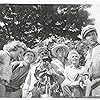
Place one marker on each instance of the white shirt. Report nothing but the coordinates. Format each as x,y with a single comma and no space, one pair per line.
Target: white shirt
93,61
71,73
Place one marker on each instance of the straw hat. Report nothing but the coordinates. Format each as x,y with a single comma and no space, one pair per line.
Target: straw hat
33,51
54,50
87,29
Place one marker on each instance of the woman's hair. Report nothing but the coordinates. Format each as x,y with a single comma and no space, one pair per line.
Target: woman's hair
14,45
71,53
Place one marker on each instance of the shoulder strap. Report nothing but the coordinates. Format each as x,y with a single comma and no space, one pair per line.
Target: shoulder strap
14,66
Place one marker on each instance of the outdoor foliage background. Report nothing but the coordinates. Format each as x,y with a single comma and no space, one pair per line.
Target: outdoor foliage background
33,23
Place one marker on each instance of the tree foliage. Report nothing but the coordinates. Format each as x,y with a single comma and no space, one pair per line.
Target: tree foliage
36,22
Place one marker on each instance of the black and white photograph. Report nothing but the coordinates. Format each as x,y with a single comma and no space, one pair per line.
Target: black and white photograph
49,50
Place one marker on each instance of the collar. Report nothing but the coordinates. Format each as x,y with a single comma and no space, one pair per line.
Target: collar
72,66
94,45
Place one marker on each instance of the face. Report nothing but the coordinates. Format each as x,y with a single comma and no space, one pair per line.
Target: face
61,52
74,59
91,38
44,54
29,57
18,53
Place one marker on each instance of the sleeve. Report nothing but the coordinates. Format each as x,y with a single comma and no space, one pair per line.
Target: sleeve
3,59
66,81
96,66
25,90
5,68
57,74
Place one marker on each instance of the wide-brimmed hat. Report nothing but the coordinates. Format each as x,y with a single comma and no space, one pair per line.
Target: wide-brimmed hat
55,48
33,51
88,29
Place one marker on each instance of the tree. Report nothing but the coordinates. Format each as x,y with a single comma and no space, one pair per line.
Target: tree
29,23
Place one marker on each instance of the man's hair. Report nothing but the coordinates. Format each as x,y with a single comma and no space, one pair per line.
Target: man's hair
14,45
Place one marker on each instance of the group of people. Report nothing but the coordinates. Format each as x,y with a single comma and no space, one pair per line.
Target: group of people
39,73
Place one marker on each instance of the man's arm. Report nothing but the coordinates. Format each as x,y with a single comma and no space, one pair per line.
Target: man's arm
25,90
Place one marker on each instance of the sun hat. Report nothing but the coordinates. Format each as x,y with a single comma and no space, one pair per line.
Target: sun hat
56,47
33,51
88,29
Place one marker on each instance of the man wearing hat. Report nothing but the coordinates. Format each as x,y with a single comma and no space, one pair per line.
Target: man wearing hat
31,86
20,71
89,34
60,51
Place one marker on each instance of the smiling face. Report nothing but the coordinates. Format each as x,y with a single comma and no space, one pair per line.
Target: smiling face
91,38
74,59
29,57
61,52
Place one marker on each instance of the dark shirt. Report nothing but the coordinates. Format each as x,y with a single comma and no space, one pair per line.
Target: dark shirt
19,75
